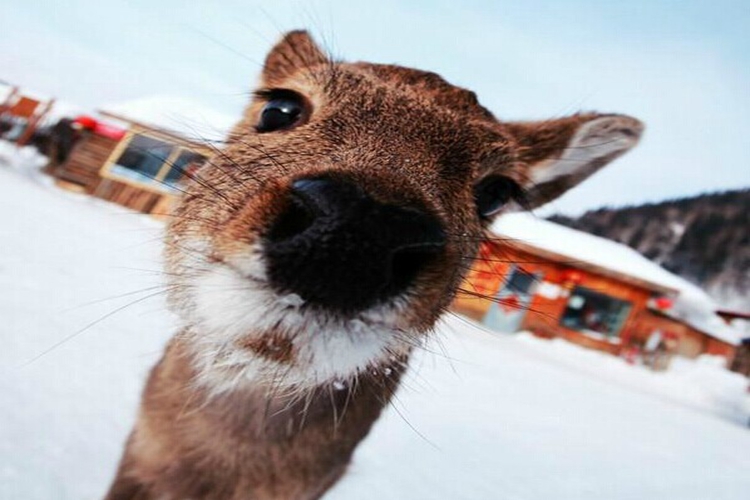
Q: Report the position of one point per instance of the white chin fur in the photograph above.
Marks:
(232, 303)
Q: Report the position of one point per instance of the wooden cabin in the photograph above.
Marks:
(693, 341)
(535, 275)
(138, 153)
(21, 113)
(741, 362)
(740, 320)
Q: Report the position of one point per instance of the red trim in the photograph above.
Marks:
(663, 303)
(86, 122)
(100, 128)
(109, 131)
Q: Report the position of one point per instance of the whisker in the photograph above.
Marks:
(87, 327)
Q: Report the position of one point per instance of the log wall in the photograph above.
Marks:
(490, 270)
(85, 161)
(82, 171)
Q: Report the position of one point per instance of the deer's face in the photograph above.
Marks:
(335, 226)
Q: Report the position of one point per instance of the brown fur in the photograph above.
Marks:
(189, 444)
(407, 137)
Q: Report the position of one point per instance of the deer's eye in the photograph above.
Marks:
(283, 110)
(492, 193)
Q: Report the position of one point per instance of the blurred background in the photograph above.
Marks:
(681, 66)
(86, 87)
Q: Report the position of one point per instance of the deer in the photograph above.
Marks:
(314, 252)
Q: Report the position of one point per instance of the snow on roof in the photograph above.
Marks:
(177, 115)
(692, 304)
(697, 309)
(584, 248)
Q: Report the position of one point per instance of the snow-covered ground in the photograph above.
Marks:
(481, 415)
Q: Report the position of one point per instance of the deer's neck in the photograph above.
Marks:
(256, 442)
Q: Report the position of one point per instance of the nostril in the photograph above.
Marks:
(406, 263)
(324, 196)
(337, 247)
(294, 220)
(311, 199)
(310, 189)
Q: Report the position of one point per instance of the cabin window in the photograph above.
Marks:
(595, 313)
(185, 164)
(147, 160)
(520, 282)
(142, 159)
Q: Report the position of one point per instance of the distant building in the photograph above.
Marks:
(137, 153)
(741, 321)
(741, 363)
(21, 113)
(554, 281)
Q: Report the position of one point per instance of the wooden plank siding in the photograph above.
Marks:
(545, 314)
(543, 318)
(691, 341)
(84, 162)
(86, 169)
(741, 361)
(127, 195)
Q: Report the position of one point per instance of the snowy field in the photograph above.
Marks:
(481, 416)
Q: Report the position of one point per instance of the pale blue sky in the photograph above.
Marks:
(681, 66)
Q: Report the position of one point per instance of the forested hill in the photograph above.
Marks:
(705, 239)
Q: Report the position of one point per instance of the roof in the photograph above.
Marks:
(6, 88)
(176, 115)
(60, 109)
(577, 248)
(730, 315)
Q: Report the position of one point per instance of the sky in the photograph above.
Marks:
(683, 67)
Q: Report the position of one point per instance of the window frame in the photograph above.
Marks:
(156, 184)
(616, 336)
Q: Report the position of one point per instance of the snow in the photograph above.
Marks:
(178, 115)
(700, 313)
(64, 260)
(678, 229)
(583, 247)
(24, 160)
(692, 305)
(480, 415)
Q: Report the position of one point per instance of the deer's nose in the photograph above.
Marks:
(337, 247)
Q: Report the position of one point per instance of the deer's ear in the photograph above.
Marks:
(296, 51)
(556, 155)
